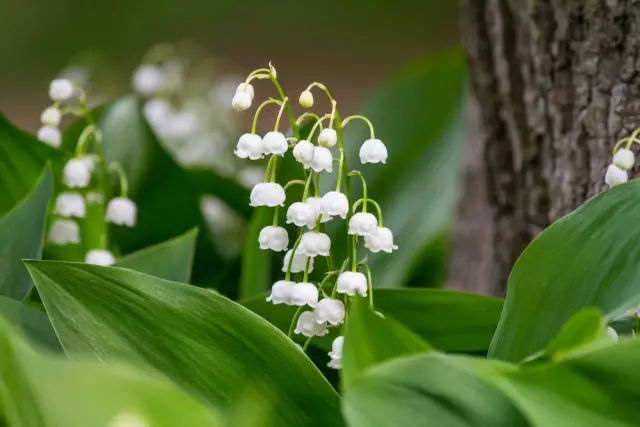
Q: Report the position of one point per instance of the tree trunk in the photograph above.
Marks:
(557, 85)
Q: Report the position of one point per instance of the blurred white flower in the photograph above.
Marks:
(281, 292)
(373, 151)
(335, 203)
(251, 175)
(60, 89)
(274, 238)
(275, 143)
(267, 194)
(157, 111)
(322, 160)
(51, 116)
(70, 204)
(308, 326)
(301, 214)
(615, 176)
(50, 135)
(352, 283)
(64, 232)
(148, 80)
(314, 244)
(328, 137)
(180, 124)
(336, 353)
(77, 172)
(306, 99)
(612, 334)
(624, 159)
(303, 153)
(223, 90)
(250, 146)
(330, 311)
(304, 294)
(298, 264)
(100, 257)
(363, 224)
(380, 240)
(128, 419)
(121, 211)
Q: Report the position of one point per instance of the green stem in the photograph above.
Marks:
(306, 187)
(122, 178)
(370, 285)
(340, 167)
(364, 188)
(292, 117)
(275, 216)
(354, 243)
(277, 125)
(259, 109)
(306, 344)
(293, 321)
(304, 116)
(274, 167)
(375, 204)
(293, 253)
(267, 172)
(305, 276)
(363, 118)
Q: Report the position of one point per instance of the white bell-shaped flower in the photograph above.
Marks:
(303, 153)
(275, 143)
(363, 224)
(242, 99)
(336, 353)
(77, 172)
(301, 214)
(352, 283)
(304, 294)
(250, 146)
(70, 204)
(335, 203)
(316, 204)
(308, 326)
(148, 80)
(380, 240)
(373, 151)
(330, 311)
(61, 89)
(64, 232)
(274, 238)
(267, 194)
(121, 211)
(335, 364)
(615, 176)
(50, 135)
(246, 87)
(624, 159)
(100, 257)
(298, 264)
(306, 99)
(51, 116)
(322, 159)
(281, 292)
(327, 137)
(158, 112)
(314, 243)
(612, 334)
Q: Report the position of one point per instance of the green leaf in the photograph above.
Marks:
(32, 322)
(22, 237)
(581, 329)
(256, 263)
(44, 391)
(371, 339)
(588, 258)
(170, 260)
(198, 338)
(448, 320)
(22, 159)
(427, 390)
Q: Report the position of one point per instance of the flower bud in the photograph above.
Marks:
(246, 87)
(362, 224)
(330, 311)
(301, 214)
(322, 160)
(314, 244)
(352, 283)
(335, 203)
(373, 151)
(100, 257)
(309, 327)
(70, 204)
(61, 89)
(50, 135)
(64, 232)
(299, 262)
(615, 176)
(304, 294)
(275, 143)
(303, 153)
(328, 137)
(274, 238)
(121, 211)
(380, 240)
(281, 292)
(624, 159)
(250, 146)
(51, 116)
(306, 99)
(77, 172)
(267, 194)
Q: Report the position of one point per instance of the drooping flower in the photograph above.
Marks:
(615, 176)
(100, 257)
(267, 194)
(50, 135)
(70, 204)
(352, 283)
(77, 172)
(61, 89)
(274, 238)
(275, 143)
(246, 87)
(306, 99)
(327, 137)
(51, 116)
(121, 211)
(308, 326)
(303, 153)
(322, 160)
(64, 232)
(314, 243)
(250, 146)
(316, 204)
(330, 311)
(242, 99)
(157, 111)
(301, 214)
(363, 224)
(336, 353)
(298, 264)
(304, 293)
(148, 80)
(281, 292)
(335, 203)
(373, 151)
(624, 159)
(380, 240)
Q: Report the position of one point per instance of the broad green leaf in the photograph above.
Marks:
(22, 237)
(581, 329)
(32, 322)
(198, 338)
(170, 260)
(588, 258)
(427, 390)
(256, 263)
(22, 159)
(371, 339)
(39, 390)
(450, 321)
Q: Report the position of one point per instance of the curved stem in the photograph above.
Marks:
(267, 172)
(293, 321)
(84, 138)
(316, 124)
(340, 167)
(277, 125)
(306, 187)
(305, 276)
(122, 177)
(306, 344)
(364, 188)
(374, 203)
(293, 253)
(363, 118)
(322, 87)
(259, 109)
(292, 118)
(305, 115)
(333, 112)
(370, 285)
(293, 182)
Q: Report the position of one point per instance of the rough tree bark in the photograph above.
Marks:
(557, 83)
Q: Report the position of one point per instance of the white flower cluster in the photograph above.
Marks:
(618, 170)
(60, 91)
(318, 310)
